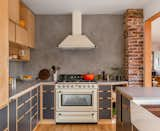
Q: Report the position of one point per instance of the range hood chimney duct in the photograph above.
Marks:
(76, 40)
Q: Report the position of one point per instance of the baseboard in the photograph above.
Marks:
(47, 121)
(105, 121)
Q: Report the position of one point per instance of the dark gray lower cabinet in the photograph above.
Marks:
(38, 103)
(126, 117)
(3, 118)
(119, 126)
(24, 123)
(123, 122)
(28, 110)
(12, 115)
(48, 102)
(34, 121)
(104, 102)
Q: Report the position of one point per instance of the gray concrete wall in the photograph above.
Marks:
(105, 31)
(15, 68)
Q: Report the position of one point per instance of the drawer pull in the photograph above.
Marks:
(105, 108)
(101, 98)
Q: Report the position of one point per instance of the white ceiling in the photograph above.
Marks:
(156, 31)
(85, 6)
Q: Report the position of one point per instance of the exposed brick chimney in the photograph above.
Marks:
(134, 41)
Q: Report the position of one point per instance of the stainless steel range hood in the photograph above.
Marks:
(76, 40)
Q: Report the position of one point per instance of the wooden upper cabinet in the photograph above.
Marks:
(21, 36)
(14, 7)
(29, 18)
(31, 29)
(12, 31)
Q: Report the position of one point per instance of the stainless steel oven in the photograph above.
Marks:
(78, 103)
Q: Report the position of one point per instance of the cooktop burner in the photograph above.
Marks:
(72, 78)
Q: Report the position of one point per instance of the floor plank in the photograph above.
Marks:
(77, 127)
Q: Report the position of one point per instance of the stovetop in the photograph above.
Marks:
(73, 78)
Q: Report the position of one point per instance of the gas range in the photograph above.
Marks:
(76, 100)
(74, 81)
(73, 78)
(74, 85)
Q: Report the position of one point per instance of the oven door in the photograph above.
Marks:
(76, 100)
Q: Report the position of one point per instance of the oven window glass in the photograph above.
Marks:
(76, 100)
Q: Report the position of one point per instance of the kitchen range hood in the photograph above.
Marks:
(76, 40)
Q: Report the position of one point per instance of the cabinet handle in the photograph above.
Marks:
(101, 98)
(107, 91)
(105, 108)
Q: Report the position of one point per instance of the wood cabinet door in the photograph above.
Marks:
(31, 29)
(12, 31)
(29, 18)
(13, 6)
(21, 36)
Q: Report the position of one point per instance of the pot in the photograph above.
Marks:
(88, 77)
(44, 74)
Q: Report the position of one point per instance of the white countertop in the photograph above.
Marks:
(140, 93)
(25, 87)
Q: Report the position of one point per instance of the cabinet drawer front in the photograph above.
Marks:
(21, 124)
(104, 95)
(34, 100)
(3, 118)
(23, 98)
(12, 31)
(34, 111)
(22, 110)
(34, 122)
(48, 88)
(104, 88)
(48, 99)
(105, 114)
(24, 123)
(39, 103)
(12, 115)
(21, 36)
(48, 113)
(104, 103)
(34, 92)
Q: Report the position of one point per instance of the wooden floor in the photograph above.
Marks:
(77, 127)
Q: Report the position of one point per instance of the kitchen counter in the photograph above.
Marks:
(112, 82)
(143, 119)
(139, 93)
(24, 86)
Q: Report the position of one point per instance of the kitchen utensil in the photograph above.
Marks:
(44, 74)
(88, 77)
